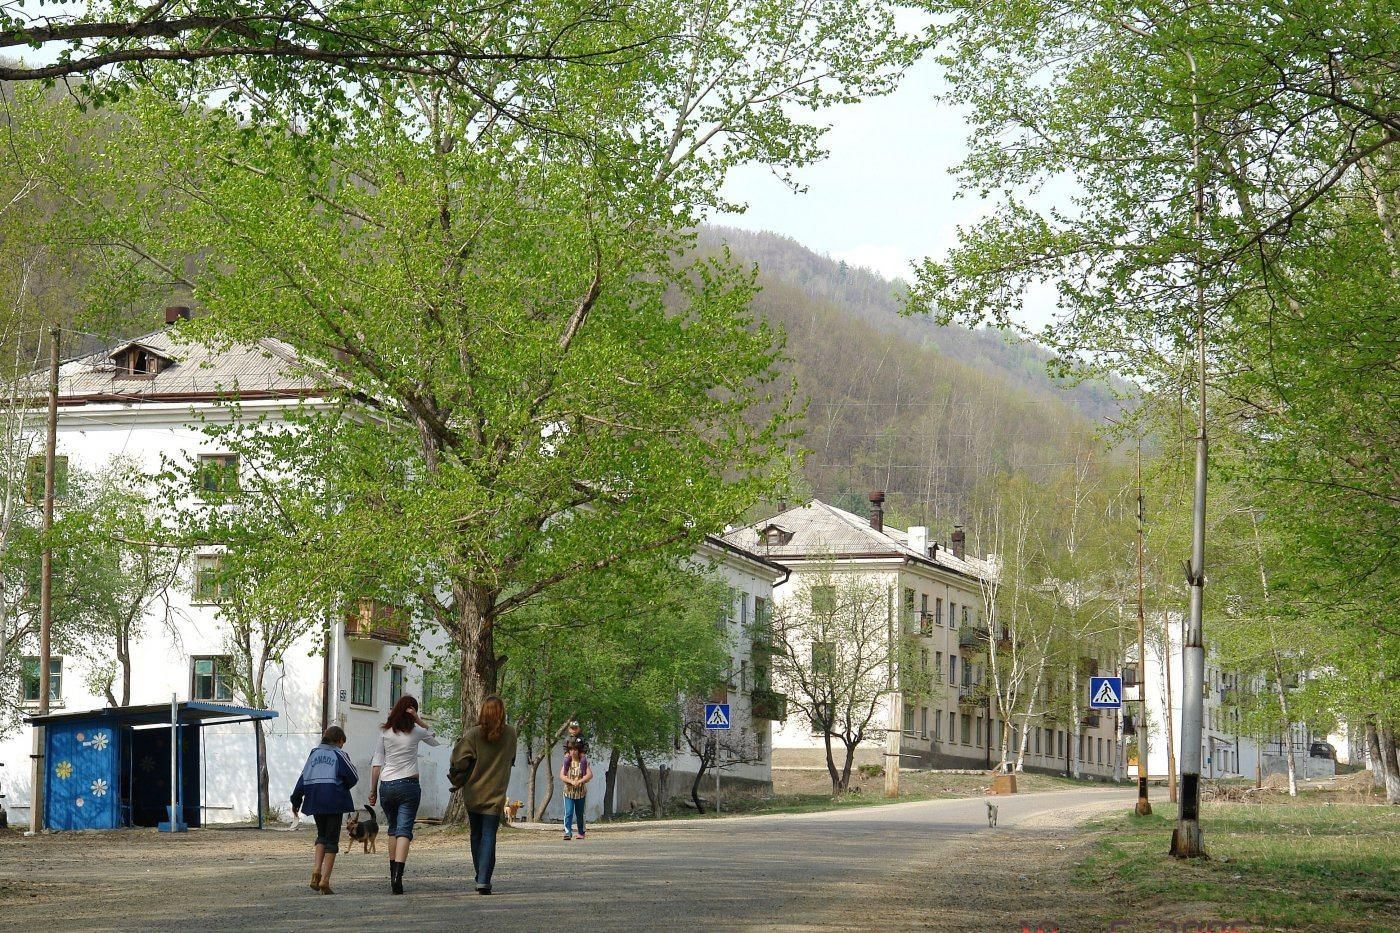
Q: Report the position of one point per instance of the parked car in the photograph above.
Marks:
(1322, 750)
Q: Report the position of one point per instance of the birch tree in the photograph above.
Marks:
(837, 653)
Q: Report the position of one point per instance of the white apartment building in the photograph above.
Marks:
(148, 401)
(1225, 751)
(935, 595)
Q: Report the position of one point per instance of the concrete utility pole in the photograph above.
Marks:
(36, 793)
(1144, 806)
(1187, 841)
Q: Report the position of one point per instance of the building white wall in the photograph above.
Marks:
(90, 436)
(924, 739)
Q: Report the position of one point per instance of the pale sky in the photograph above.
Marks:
(884, 197)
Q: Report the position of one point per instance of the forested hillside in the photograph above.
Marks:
(902, 404)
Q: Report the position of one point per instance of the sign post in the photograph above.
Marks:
(716, 721)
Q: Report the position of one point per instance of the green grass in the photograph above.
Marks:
(1280, 866)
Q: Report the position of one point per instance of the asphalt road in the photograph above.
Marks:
(820, 870)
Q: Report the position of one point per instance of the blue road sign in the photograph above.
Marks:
(717, 717)
(1105, 692)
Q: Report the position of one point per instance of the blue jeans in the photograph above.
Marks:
(484, 827)
(573, 814)
(400, 802)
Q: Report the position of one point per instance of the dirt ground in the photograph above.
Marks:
(924, 865)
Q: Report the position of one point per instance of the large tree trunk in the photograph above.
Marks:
(1287, 729)
(264, 795)
(548, 780)
(124, 659)
(695, 784)
(1373, 753)
(653, 796)
(478, 666)
(610, 785)
(850, 759)
(1391, 761)
(836, 785)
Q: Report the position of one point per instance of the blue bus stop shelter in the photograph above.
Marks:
(110, 768)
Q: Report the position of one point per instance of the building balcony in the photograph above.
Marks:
(972, 695)
(374, 620)
(769, 705)
(973, 638)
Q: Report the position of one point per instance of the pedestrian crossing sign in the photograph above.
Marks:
(717, 716)
(1105, 692)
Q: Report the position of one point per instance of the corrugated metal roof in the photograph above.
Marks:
(265, 367)
(817, 529)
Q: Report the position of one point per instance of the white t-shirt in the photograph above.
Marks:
(396, 754)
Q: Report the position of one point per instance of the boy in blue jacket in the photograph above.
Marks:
(323, 791)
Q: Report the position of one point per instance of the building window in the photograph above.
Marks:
(210, 680)
(1037, 740)
(34, 479)
(29, 680)
(908, 718)
(361, 682)
(938, 611)
(395, 684)
(743, 608)
(966, 729)
(923, 660)
(217, 475)
(978, 732)
(938, 665)
(823, 600)
(952, 668)
(967, 615)
(208, 583)
(923, 721)
(823, 655)
(743, 675)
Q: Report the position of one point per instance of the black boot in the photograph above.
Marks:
(396, 877)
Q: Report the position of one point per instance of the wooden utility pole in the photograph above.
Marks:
(1144, 806)
(36, 802)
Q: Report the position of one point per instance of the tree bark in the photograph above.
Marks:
(264, 794)
(610, 785)
(1391, 762)
(652, 794)
(836, 785)
(695, 784)
(1373, 753)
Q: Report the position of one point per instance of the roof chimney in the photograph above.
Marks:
(176, 313)
(959, 541)
(877, 510)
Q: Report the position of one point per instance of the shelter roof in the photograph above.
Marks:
(156, 714)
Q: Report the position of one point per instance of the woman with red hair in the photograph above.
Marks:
(480, 771)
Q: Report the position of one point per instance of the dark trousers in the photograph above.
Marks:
(328, 830)
(484, 827)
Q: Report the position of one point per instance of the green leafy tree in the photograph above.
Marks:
(540, 389)
(839, 656)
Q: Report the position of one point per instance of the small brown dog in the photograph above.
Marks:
(513, 807)
(364, 830)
